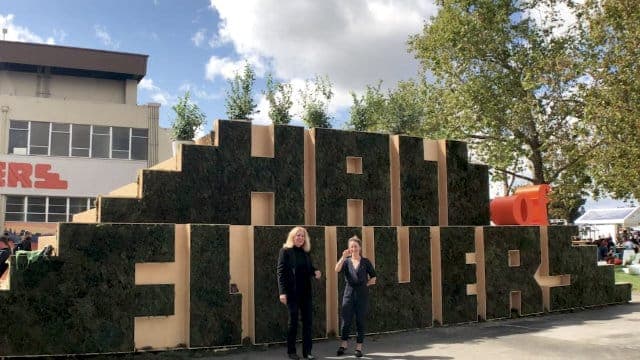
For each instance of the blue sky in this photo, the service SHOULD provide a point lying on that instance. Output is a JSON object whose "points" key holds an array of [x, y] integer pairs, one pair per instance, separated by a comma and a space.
{"points": [[197, 45]]}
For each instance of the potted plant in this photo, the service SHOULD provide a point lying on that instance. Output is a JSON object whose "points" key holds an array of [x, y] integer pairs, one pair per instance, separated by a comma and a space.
{"points": [[189, 118]]}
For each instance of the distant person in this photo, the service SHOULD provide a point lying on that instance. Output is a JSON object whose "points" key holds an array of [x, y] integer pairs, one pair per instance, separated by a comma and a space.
{"points": [[295, 271], [603, 250], [5, 253], [358, 274], [629, 244]]}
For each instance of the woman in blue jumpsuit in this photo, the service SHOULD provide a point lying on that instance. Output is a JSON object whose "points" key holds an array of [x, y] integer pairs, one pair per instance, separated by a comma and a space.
{"points": [[358, 274]]}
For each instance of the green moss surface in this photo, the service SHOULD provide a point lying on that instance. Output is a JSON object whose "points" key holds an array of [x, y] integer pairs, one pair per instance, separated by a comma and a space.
{"points": [[457, 306], [334, 186], [215, 314], [590, 284], [467, 187], [418, 184], [215, 184], [85, 300], [394, 305], [154, 300], [271, 315], [501, 279]]}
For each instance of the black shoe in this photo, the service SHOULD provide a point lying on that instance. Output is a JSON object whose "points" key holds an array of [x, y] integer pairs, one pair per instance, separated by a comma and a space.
{"points": [[294, 356], [340, 351], [358, 353]]}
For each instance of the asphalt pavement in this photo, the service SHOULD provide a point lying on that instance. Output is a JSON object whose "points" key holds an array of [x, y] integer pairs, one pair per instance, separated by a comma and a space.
{"points": [[611, 332]]}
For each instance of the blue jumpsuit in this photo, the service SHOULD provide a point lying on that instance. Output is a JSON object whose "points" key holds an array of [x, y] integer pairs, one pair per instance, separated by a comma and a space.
{"points": [[355, 300]]}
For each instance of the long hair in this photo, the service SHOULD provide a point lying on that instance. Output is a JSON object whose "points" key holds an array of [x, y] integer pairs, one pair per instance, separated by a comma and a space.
{"points": [[292, 234]]}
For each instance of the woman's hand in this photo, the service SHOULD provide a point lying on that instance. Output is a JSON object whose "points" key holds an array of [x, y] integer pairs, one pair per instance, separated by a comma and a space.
{"points": [[318, 274], [283, 299], [371, 281], [346, 254]]}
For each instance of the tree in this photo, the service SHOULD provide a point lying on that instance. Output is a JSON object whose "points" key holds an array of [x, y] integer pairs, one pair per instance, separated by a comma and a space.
{"points": [[239, 101], [279, 97], [315, 99], [509, 79], [188, 118], [400, 111], [614, 97]]}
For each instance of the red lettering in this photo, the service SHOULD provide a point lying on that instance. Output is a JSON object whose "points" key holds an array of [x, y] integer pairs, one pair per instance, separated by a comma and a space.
{"points": [[19, 173], [3, 166], [48, 180]]}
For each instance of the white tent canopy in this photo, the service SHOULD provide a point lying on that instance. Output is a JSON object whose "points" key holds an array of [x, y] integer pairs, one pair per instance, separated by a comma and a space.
{"points": [[621, 216]]}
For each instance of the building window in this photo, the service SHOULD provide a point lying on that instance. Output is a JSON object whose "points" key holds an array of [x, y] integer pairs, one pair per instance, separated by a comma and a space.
{"points": [[44, 209], [77, 205], [36, 208], [120, 142], [60, 136], [80, 140], [18, 136], [139, 141], [39, 138], [100, 142], [60, 139], [14, 208], [57, 209]]}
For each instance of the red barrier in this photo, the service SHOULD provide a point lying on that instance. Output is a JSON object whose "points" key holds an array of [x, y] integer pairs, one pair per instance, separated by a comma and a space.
{"points": [[528, 206]]}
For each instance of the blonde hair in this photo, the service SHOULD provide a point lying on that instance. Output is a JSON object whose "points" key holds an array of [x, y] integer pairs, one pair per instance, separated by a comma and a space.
{"points": [[292, 234], [356, 239]]}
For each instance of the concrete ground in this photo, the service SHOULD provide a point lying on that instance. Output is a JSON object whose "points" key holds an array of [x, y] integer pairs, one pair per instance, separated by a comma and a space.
{"points": [[603, 333]]}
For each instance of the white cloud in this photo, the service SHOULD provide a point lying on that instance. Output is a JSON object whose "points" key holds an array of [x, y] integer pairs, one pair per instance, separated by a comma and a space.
{"points": [[104, 36], [226, 68], [355, 43], [156, 93], [199, 36], [20, 33], [147, 84], [200, 93], [161, 97], [60, 35]]}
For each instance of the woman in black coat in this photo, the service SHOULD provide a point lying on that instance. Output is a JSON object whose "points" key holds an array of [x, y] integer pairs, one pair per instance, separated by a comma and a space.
{"points": [[295, 271], [358, 274]]}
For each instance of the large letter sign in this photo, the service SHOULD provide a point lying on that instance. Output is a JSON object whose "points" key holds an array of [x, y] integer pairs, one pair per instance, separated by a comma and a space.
{"points": [[186, 256]]}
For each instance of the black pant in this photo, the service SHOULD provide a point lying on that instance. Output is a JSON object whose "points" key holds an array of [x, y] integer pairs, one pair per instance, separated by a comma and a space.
{"points": [[297, 308], [353, 306]]}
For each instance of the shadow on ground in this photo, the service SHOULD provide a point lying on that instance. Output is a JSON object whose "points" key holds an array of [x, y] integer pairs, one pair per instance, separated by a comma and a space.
{"points": [[413, 344]]}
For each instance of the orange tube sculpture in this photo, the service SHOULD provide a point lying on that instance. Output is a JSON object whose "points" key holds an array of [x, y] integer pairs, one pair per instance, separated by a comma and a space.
{"points": [[528, 206]]}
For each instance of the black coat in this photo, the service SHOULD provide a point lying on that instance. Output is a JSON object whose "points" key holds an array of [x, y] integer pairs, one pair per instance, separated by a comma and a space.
{"points": [[288, 281]]}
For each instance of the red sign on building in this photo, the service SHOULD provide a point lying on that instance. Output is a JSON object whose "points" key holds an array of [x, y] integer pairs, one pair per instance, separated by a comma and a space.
{"points": [[28, 176]]}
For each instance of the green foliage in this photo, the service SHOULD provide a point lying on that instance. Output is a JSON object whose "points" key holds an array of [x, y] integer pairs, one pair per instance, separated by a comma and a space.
{"points": [[614, 104], [315, 99], [279, 97], [239, 101], [189, 118], [400, 111], [508, 78]]}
